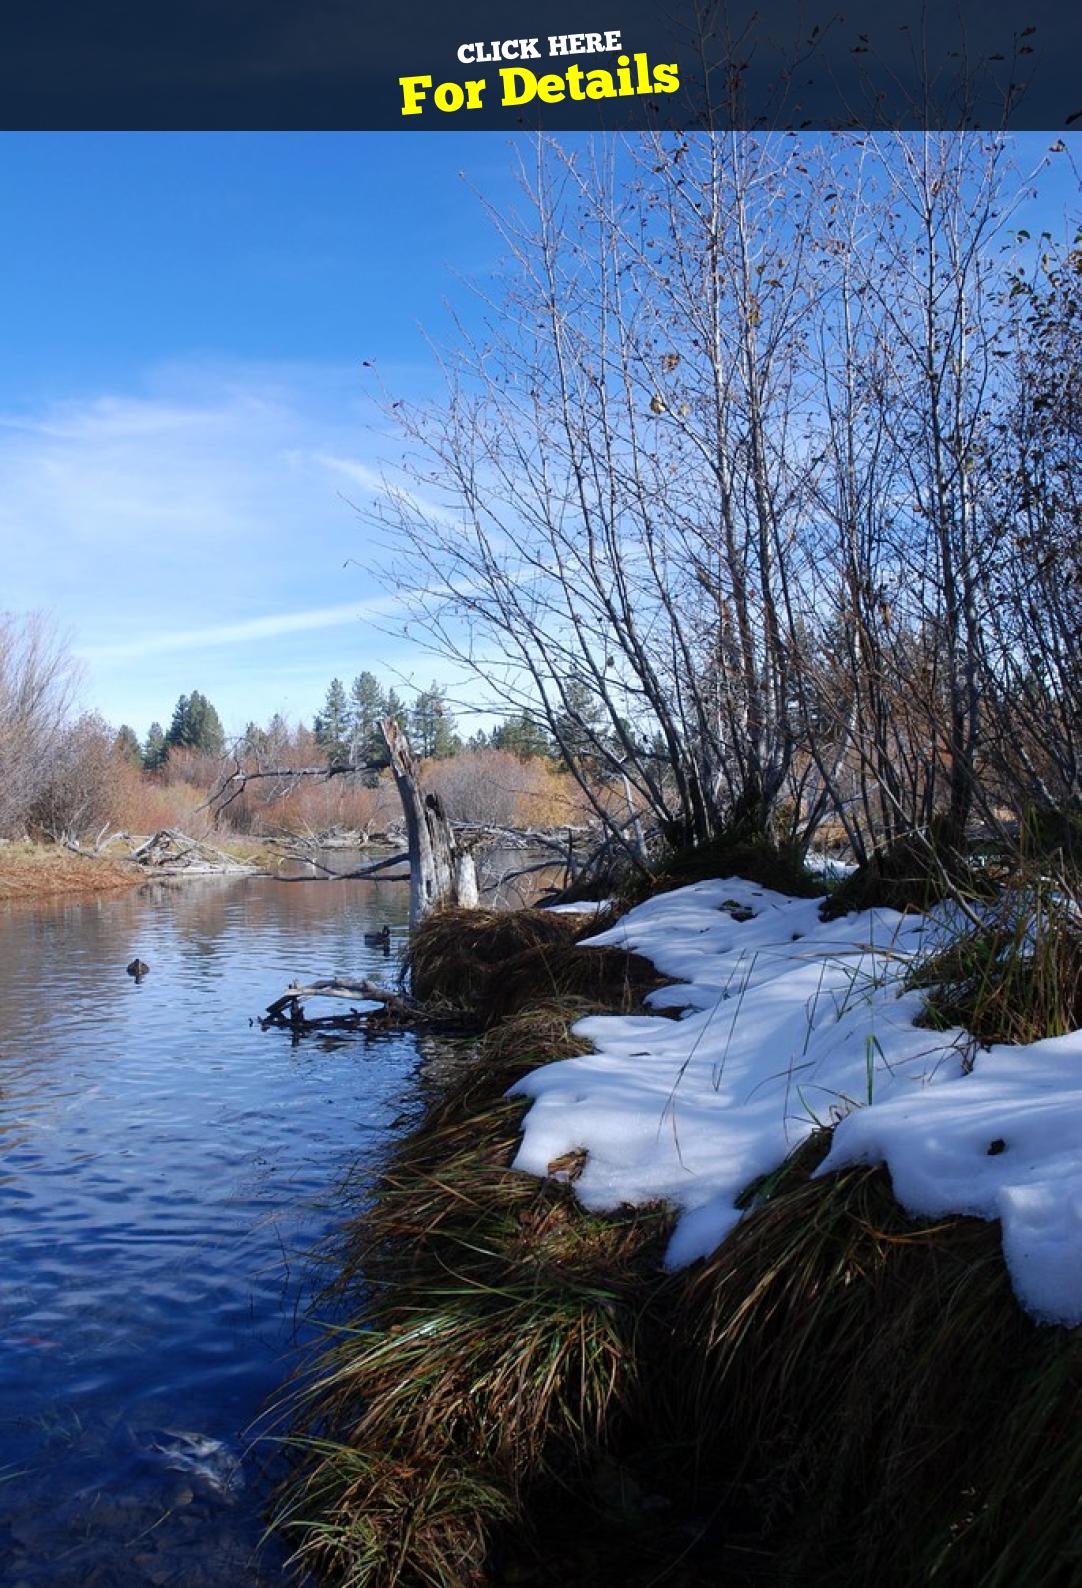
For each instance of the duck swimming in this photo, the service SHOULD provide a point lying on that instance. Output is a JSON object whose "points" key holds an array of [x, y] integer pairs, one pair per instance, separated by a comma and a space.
{"points": [[379, 939], [138, 968]]}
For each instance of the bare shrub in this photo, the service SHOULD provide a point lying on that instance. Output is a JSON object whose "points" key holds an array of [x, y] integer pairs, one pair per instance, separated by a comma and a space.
{"points": [[144, 802], [317, 807], [37, 687], [495, 788], [74, 794]]}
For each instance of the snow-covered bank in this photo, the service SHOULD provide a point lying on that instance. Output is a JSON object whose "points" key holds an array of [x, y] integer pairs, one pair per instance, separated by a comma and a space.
{"points": [[786, 1024]]}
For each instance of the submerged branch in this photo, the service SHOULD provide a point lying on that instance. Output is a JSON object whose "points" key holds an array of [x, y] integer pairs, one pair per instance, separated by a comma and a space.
{"points": [[363, 990]]}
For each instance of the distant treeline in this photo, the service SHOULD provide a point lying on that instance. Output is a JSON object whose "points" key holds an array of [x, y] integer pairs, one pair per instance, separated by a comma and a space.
{"points": [[347, 728], [68, 774]]}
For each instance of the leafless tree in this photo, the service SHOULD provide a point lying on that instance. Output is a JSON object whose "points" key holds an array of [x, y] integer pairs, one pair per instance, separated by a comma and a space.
{"points": [[1033, 642], [78, 780], [716, 492], [602, 520], [38, 680]]}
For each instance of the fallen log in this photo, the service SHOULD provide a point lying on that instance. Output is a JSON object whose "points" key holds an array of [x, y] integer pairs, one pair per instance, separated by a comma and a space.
{"points": [[371, 870], [374, 1007]]}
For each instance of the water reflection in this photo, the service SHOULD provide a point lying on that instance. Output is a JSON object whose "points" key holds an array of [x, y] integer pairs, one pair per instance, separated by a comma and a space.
{"points": [[164, 1167]]}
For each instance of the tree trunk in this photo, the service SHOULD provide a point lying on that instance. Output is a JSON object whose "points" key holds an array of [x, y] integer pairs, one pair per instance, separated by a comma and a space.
{"points": [[440, 871]]}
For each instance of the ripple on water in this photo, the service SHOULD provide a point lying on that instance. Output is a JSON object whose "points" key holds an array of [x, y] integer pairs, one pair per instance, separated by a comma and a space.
{"points": [[164, 1167]]}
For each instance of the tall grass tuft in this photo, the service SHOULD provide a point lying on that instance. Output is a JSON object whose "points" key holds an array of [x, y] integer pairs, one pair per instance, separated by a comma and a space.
{"points": [[1015, 977], [490, 1343], [368, 1517], [914, 872], [742, 851], [870, 1389], [838, 1395]]}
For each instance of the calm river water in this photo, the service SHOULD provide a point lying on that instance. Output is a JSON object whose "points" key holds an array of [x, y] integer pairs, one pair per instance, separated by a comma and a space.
{"points": [[165, 1170]]}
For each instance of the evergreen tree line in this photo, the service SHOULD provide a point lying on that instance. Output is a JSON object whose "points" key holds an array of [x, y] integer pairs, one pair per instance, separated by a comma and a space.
{"points": [[348, 727], [195, 725]]}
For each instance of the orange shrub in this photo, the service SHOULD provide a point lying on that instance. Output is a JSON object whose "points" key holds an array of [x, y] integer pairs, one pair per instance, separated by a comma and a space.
{"points": [[310, 805], [495, 788], [144, 802]]}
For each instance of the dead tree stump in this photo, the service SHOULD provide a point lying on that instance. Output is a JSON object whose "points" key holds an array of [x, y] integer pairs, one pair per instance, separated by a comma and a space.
{"points": [[441, 870]]}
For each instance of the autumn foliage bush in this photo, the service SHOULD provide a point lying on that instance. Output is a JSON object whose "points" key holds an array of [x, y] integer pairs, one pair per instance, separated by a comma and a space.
{"points": [[313, 806], [496, 788], [145, 802]]}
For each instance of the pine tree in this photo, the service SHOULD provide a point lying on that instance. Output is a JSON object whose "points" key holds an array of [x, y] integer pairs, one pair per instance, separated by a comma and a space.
{"points": [[367, 707], [180, 726], [332, 724], [254, 741], [523, 736], [209, 731], [195, 726], [155, 749], [577, 726], [395, 708], [432, 726], [126, 745], [278, 737]]}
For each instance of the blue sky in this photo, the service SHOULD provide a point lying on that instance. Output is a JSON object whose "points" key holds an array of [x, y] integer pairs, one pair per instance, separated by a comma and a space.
{"points": [[183, 408]]}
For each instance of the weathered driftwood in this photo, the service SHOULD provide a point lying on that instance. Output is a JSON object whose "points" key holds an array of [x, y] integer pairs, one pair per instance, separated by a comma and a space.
{"points": [[169, 852], [105, 837], [362, 991], [371, 870], [301, 845]]}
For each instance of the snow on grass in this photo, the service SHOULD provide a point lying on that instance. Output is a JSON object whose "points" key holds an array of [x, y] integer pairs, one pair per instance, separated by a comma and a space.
{"points": [[787, 1023], [829, 867], [583, 907]]}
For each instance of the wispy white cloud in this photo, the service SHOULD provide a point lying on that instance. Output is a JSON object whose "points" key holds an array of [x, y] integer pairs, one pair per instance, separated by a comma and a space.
{"points": [[376, 481], [352, 469], [218, 634], [199, 526]]}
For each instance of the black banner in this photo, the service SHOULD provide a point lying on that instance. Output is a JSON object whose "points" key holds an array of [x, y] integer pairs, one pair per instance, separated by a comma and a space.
{"points": [[578, 64]]}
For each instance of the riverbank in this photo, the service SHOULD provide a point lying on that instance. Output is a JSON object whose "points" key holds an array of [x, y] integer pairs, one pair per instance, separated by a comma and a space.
{"points": [[661, 1308], [30, 870]]}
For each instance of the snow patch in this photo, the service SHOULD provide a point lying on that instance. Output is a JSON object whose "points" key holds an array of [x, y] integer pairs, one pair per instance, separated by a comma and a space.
{"points": [[788, 1023]]}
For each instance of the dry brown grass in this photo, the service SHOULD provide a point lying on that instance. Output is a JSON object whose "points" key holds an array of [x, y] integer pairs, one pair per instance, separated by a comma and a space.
{"points": [[839, 1395], [869, 1386], [491, 1342], [31, 870], [496, 963]]}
